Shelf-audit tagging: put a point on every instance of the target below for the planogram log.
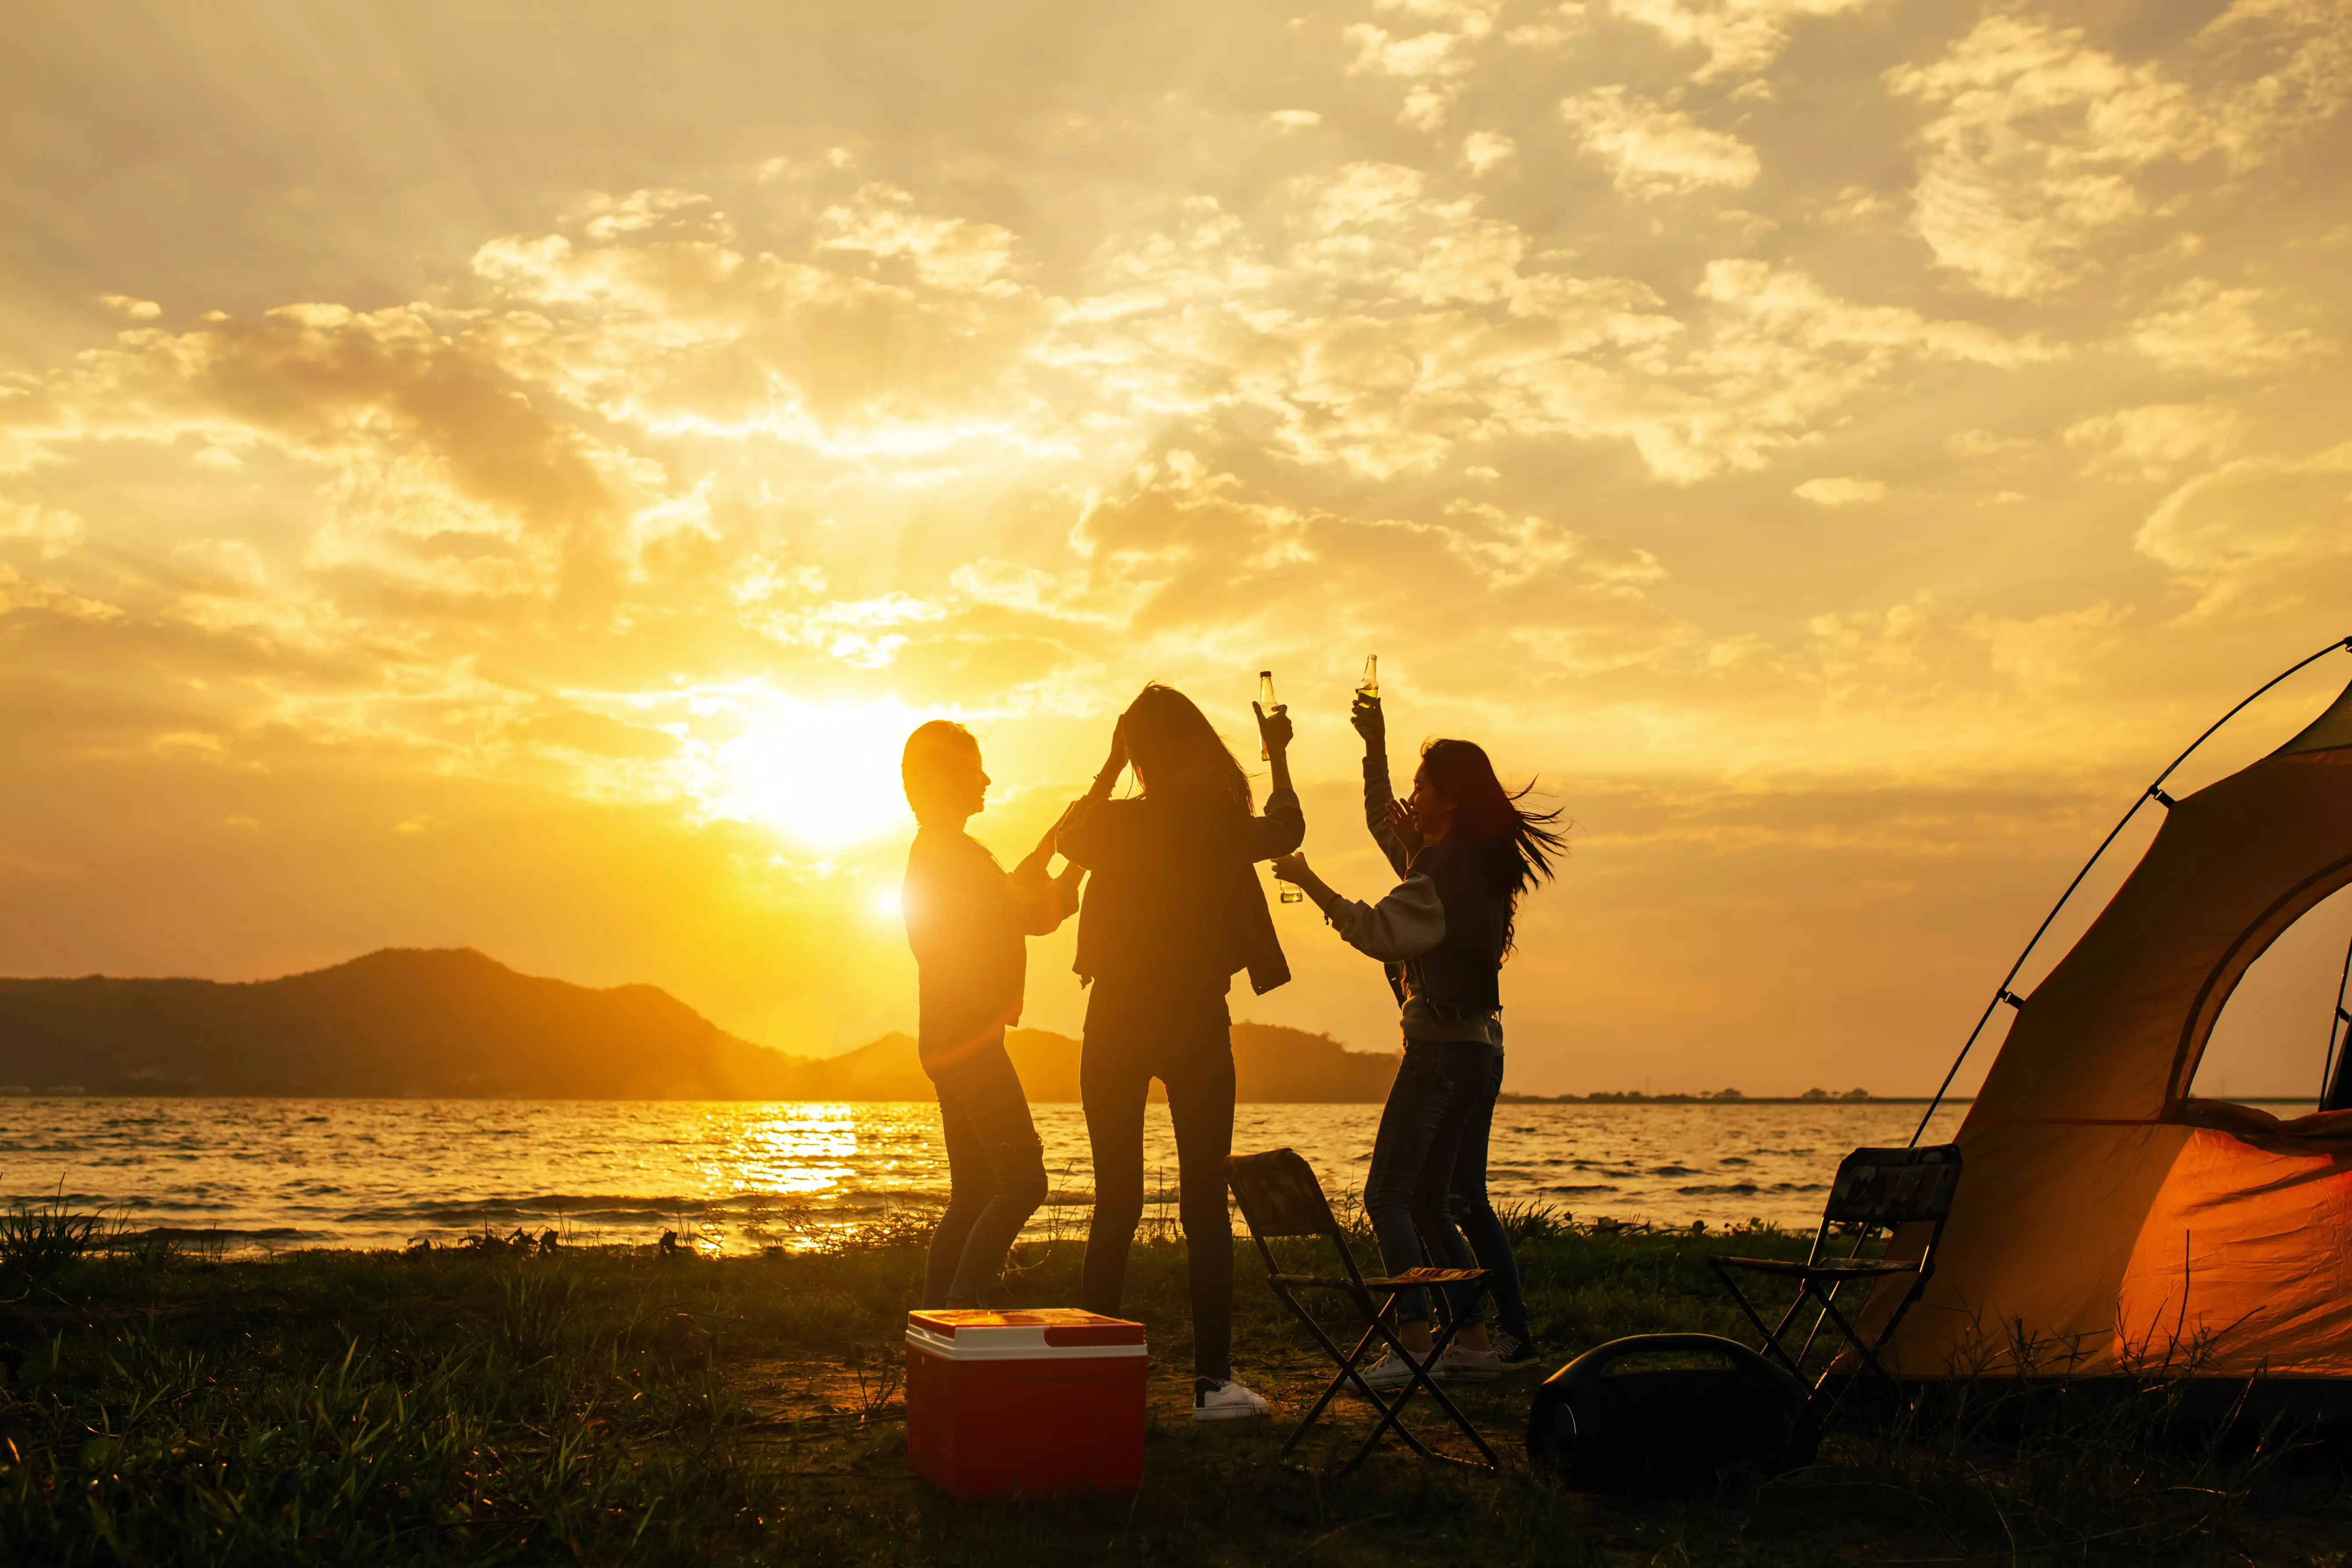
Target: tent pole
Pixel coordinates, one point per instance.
(2333, 1096)
(2153, 792)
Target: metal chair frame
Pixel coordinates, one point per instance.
(1875, 1188)
(1281, 1198)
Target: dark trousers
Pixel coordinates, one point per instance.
(1187, 1045)
(996, 1175)
(1489, 1243)
(1413, 1156)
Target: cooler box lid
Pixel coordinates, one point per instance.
(1047, 1333)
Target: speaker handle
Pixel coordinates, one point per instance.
(1578, 1376)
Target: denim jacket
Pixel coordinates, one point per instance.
(1459, 977)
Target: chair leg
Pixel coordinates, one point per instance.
(1389, 1409)
(1426, 1378)
(1349, 1373)
(1393, 1415)
(1780, 1332)
(1866, 1349)
(1822, 1318)
(1345, 1360)
(1814, 1332)
(1772, 1337)
(1348, 1363)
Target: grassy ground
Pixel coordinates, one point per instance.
(612, 1405)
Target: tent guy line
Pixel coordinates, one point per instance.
(2155, 791)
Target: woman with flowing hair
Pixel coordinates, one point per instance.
(1173, 908)
(1467, 851)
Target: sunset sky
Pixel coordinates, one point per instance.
(511, 474)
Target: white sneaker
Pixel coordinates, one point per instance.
(1463, 1364)
(1391, 1371)
(1228, 1401)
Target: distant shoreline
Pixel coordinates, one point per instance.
(11, 1091)
(1832, 1099)
(1734, 1100)
(60, 1092)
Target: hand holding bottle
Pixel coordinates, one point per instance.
(1292, 872)
(1274, 730)
(1364, 713)
(1274, 746)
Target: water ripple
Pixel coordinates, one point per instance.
(741, 1176)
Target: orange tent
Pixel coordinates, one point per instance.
(2106, 1219)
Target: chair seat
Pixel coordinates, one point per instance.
(1427, 1277)
(1823, 1268)
(1411, 1276)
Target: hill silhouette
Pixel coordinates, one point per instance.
(453, 1022)
(400, 1022)
(1271, 1065)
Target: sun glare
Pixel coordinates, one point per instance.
(824, 775)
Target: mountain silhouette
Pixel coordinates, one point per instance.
(451, 1023)
(400, 1022)
(1271, 1065)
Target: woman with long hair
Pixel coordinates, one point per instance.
(1467, 850)
(1173, 908)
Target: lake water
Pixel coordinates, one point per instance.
(741, 1176)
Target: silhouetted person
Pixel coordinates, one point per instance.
(1173, 909)
(968, 921)
(1466, 852)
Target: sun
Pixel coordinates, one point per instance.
(823, 774)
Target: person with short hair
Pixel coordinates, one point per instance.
(968, 921)
(1467, 851)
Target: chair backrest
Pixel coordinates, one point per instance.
(1894, 1186)
(1279, 1195)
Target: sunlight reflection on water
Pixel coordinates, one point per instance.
(741, 1176)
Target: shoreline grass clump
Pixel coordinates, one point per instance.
(614, 1405)
(35, 1241)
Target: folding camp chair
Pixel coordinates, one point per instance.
(1280, 1197)
(1875, 1188)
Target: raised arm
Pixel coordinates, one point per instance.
(1283, 827)
(1079, 835)
(1379, 794)
(1408, 921)
(1042, 903)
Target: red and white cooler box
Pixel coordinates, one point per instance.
(1028, 1403)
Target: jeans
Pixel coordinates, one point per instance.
(1414, 1155)
(1477, 1216)
(996, 1175)
(1187, 1044)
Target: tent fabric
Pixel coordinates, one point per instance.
(2106, 1220)
(2331, 728)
